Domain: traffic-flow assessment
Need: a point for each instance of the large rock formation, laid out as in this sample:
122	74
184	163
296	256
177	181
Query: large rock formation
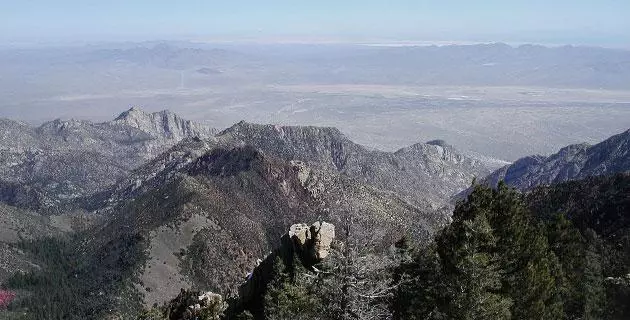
309	244
312	243
163	124
189	305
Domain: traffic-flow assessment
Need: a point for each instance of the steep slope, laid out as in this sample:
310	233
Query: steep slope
425	174
570	163
598	203
49	167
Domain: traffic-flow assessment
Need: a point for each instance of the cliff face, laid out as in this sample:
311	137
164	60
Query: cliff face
310	244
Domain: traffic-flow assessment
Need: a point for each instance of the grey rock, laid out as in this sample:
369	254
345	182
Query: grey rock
314	240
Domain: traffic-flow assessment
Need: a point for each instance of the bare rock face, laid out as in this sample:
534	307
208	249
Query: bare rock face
299	233
190	305
323	234
313	241
163	124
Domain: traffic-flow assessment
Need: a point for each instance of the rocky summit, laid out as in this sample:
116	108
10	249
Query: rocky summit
163	124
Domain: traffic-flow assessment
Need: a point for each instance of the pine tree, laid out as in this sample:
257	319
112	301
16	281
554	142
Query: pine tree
420	292
471	270
580	256
494	261
286	297
531	273
568	245
592	283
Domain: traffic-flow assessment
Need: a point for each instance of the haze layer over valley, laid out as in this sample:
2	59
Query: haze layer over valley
493	100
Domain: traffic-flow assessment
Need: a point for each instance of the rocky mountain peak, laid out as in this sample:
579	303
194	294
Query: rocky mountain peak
132	113
64	160
60	125
439	142
162	124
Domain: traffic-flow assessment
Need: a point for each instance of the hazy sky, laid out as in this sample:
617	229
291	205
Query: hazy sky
558	21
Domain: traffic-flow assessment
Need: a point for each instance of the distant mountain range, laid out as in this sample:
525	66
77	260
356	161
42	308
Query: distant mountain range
478	65
425	173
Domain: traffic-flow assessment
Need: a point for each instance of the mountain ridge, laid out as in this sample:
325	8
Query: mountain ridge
569	163
424	173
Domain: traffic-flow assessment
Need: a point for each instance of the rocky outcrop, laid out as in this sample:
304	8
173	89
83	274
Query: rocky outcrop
309	244
189	305
312	243
163	124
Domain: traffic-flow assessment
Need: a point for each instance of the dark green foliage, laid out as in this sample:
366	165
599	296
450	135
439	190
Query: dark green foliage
470	265
588	223
560	252
421	293
568	245
70	286
592	283
492	262
9	315
598	203
53	289
194	262
618	293
287	298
